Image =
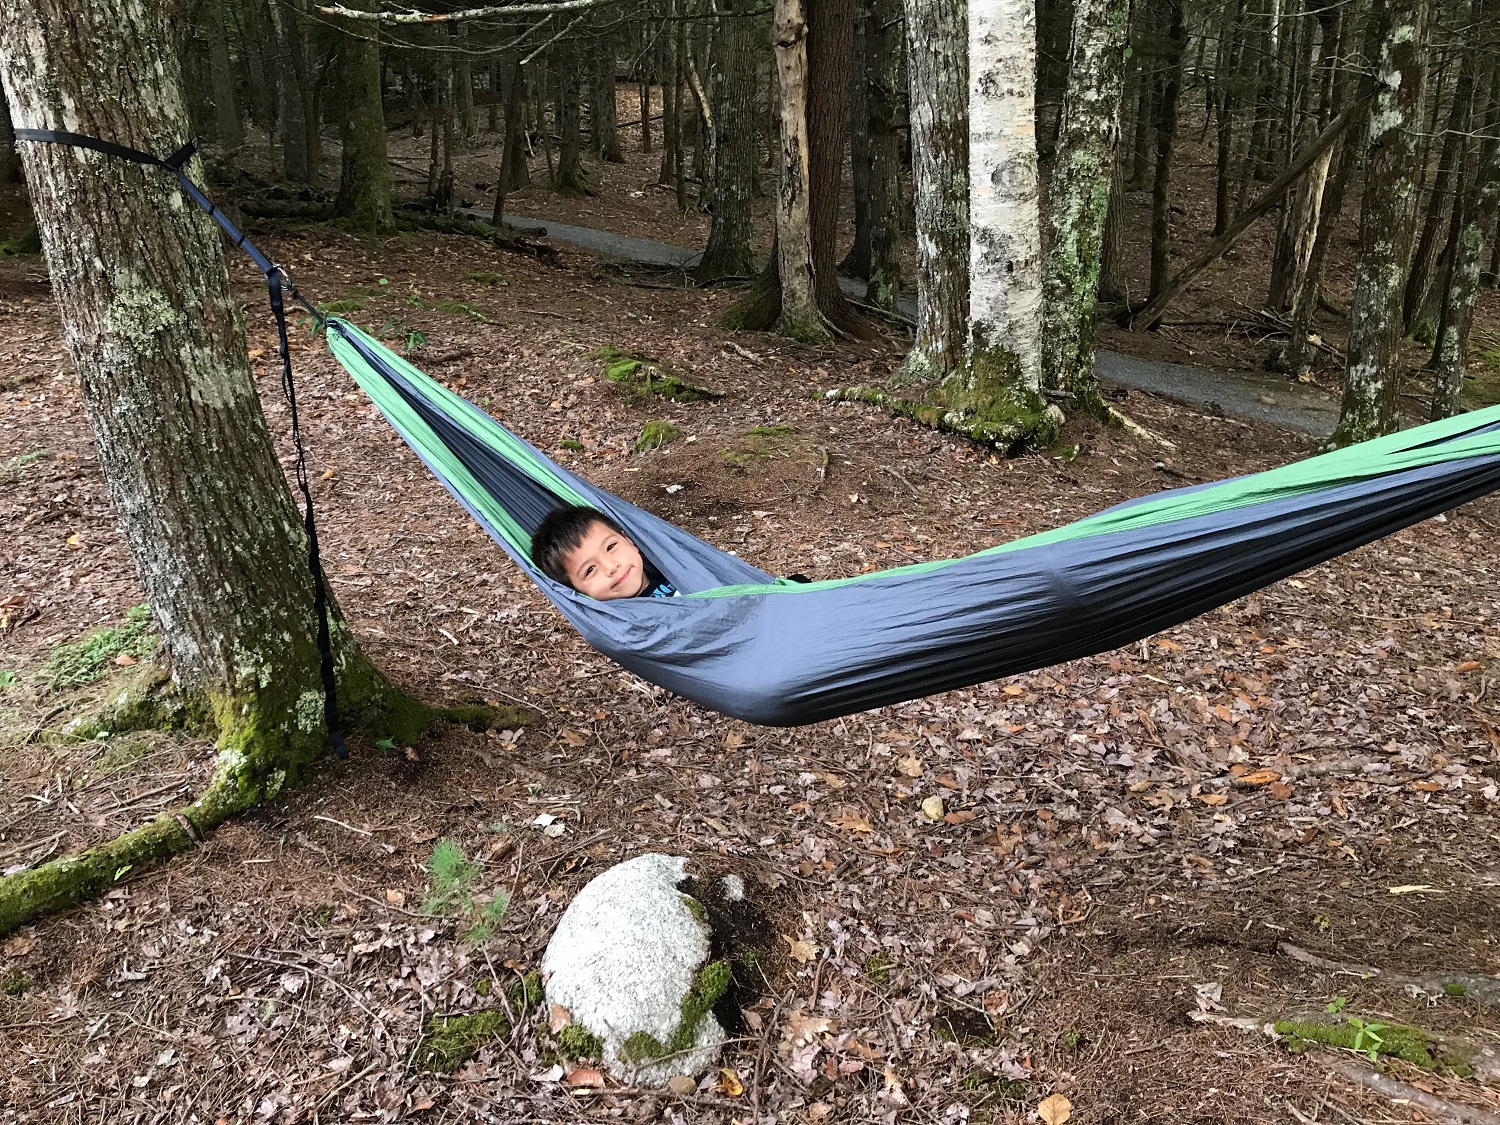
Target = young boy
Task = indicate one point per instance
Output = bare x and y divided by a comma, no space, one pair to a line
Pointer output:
585,549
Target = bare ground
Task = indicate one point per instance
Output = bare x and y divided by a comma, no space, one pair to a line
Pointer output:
1112,842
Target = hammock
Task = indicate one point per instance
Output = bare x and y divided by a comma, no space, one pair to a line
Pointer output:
781,653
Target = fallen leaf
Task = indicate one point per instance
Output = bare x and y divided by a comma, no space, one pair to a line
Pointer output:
1426,786
395,897
852,820
1213,798
682,1085
1260,777
1012,689
734,740
1223,712
558,1018
959,816
1281,791
1170,646
1468,666
124,660
422,1106
803,1028
802,951
932,808
587,1076
74,541
572,737
729,1082
947,781
1055,1109
910,766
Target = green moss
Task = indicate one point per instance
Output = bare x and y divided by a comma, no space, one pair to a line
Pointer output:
577,1042
878,968
14,468
695,908
771,431
655,434
994,1087
571,445
1399,1040
645,377
462,308
484,986
486,277
451,1041
83,662
1454,988
15,984
121,753
1070,1039
710,984
525,993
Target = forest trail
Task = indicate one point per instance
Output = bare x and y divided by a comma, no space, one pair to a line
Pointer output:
1260,398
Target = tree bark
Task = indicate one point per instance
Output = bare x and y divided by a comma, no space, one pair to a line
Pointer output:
1166,138
10,159
1372,379
228,129
572,175
202,502
856,262
883,46
729,252
1078,199
364,198
605,123
1001,380
799,317
937,55
830,48
1478,216
514,88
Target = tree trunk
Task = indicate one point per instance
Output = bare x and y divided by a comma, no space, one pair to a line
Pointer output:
937,55
514,87
605,124
228,129
1227,94
291,119
1372,379
679,71
463,82
203,504
729,252
883,47
572,175
259,39
1112,254
799,316
1078,199
1478,212
1166,137
856,262
830,47
10,159
1001,380
1144,62
645,100
364,198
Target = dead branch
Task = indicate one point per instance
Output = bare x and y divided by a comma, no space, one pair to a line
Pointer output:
1400,1091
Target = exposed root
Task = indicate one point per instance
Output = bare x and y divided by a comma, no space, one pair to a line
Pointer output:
1396,1090
1468,986
1008,435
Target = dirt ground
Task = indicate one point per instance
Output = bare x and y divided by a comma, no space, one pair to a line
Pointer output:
1114,859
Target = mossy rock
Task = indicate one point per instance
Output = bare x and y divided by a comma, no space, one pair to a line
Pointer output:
654,435
577,1042
712,982
645,377
1416,1045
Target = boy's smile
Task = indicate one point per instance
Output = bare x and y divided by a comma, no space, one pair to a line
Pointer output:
606,565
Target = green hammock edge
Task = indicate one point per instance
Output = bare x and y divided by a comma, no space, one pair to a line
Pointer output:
1429,444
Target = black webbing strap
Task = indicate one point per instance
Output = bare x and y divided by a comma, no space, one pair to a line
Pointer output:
279,286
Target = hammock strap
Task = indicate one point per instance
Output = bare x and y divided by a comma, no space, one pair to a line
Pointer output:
279,287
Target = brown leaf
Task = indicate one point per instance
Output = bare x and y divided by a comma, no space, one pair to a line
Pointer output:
1170,646
395,897
729,1082
1055,1109
1223,712
558,1018
802,951
1260,777
1012,689
1468,666
1280,790
587,1076
1214,799
947,781
124,660
572,737
910,766
960,816
1426,786
734,740
852,820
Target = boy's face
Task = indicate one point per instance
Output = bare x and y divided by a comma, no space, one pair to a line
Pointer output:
605,565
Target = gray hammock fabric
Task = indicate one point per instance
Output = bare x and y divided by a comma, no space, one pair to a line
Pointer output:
781,653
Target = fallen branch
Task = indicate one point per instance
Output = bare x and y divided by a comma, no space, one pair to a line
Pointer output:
1469,986
1138,431
1403,1092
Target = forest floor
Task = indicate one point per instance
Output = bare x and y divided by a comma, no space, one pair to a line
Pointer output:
1129,840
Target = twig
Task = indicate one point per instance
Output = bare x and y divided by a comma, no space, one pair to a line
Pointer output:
1399,1091
341,824
1135,429
562,855
760,1055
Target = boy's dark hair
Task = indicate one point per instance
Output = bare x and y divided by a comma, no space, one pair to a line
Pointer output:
560,533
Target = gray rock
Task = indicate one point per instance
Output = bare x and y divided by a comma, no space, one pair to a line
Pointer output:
628,960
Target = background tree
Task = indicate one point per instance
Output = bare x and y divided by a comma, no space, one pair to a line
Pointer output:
364,198
728,253
158,342
1372,378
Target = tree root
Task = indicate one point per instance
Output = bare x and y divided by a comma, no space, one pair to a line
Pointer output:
260,752
1396,1090
1468,986
1011,435
1429,1050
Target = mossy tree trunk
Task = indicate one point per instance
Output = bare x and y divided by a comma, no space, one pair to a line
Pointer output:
1082,179
732,82
1372,379
939,80
159,345
1000,380
364,198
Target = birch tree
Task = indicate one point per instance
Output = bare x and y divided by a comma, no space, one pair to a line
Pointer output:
1372,379
1082,177
158,341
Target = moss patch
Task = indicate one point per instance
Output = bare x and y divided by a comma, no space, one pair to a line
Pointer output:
462,308
15,984
654,435
451,1041
487,277
83,662
711,983
577,1042
645,377
878,968
1403,1041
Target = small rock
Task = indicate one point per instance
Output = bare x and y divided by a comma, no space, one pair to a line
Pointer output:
682,1085
932,808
